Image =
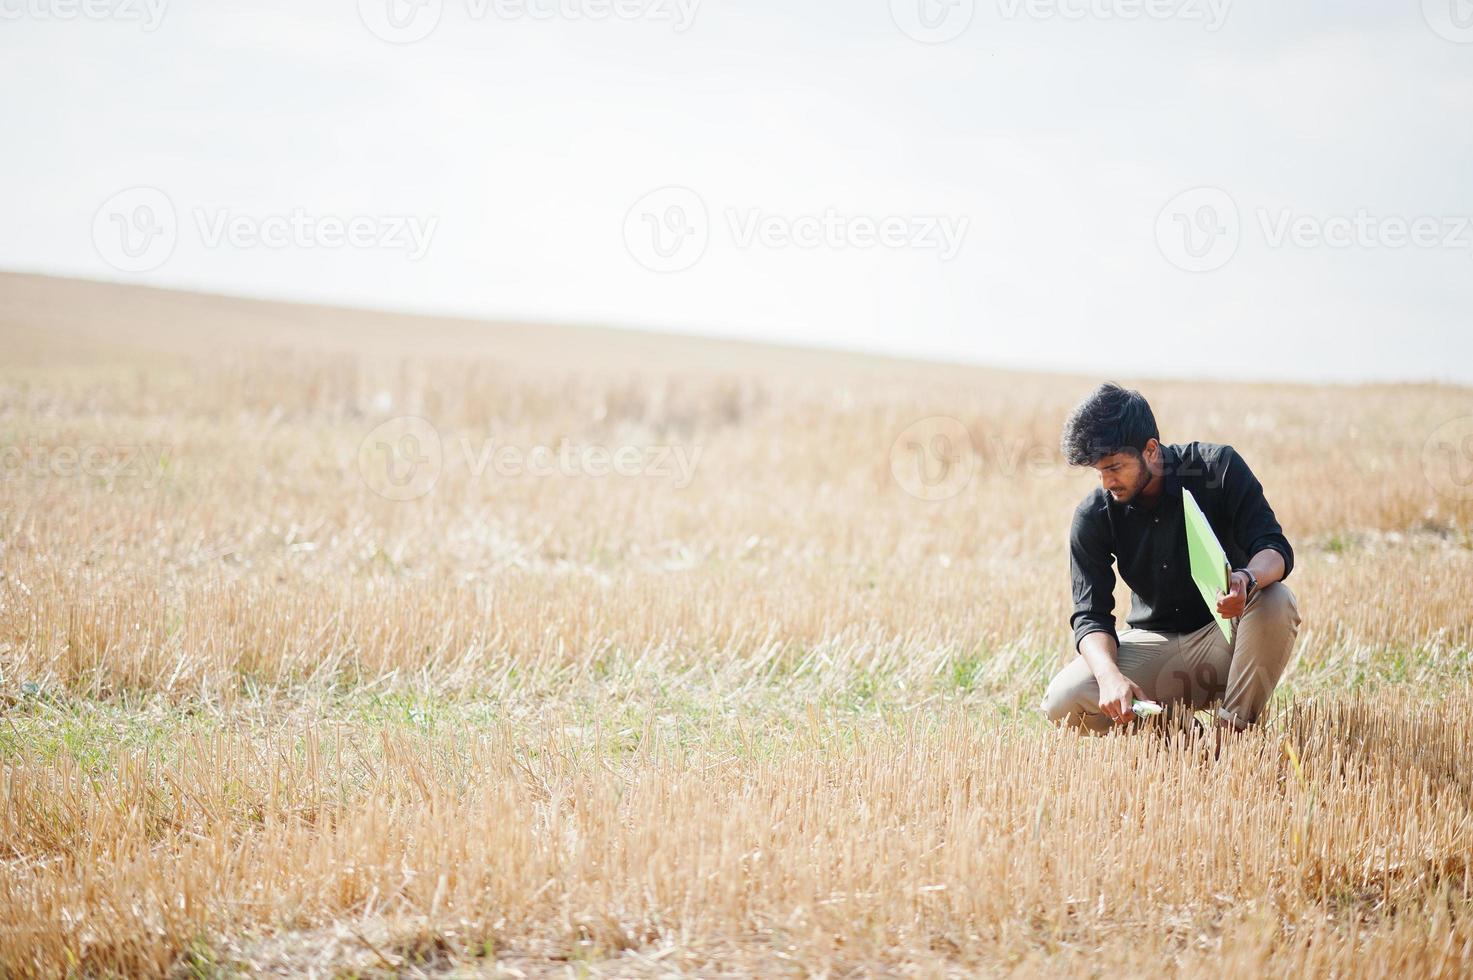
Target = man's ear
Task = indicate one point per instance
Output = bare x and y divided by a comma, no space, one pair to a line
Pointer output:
1153,454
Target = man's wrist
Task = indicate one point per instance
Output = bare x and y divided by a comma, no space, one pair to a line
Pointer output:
1252,584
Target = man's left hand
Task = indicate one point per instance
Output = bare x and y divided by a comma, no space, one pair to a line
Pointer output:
1230,606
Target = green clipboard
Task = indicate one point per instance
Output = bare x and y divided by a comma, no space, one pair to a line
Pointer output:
1209,562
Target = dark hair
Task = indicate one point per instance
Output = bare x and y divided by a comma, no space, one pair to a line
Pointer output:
1111,420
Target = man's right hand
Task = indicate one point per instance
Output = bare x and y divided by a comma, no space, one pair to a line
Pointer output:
1116,693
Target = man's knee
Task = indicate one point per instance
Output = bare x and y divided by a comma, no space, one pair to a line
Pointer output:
1066,695
1261,654
1276,603
1056,701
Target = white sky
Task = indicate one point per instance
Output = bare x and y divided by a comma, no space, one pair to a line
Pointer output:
1057,129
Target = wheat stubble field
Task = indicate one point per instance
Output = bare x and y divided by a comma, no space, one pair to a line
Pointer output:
774,716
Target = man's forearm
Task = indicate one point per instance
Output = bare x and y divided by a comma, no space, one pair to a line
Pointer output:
1099,650
1267,567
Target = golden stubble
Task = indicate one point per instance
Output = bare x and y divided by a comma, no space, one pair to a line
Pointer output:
780,719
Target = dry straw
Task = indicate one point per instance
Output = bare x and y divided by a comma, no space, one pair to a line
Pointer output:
782,719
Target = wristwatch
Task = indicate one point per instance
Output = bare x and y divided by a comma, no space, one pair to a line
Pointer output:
1252,582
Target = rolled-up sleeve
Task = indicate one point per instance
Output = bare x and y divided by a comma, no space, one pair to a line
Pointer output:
1253,522
1091,576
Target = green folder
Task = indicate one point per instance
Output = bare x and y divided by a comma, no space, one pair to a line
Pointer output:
1209,562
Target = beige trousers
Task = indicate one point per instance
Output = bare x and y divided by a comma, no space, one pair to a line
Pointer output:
1200,668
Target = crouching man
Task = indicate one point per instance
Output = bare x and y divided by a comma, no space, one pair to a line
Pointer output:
1174,650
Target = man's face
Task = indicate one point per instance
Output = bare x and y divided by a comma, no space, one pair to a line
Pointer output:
1124,474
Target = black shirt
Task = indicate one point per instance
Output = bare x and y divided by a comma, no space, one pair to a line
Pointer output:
1150,545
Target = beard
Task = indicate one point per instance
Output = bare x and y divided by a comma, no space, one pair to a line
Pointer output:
1143,478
